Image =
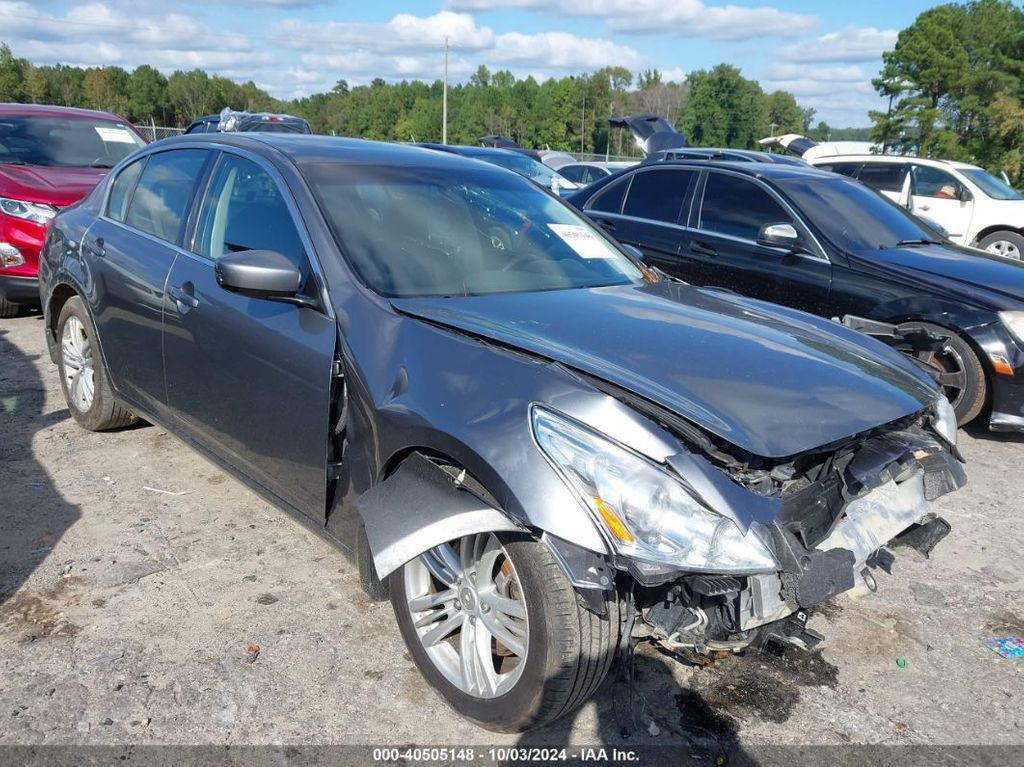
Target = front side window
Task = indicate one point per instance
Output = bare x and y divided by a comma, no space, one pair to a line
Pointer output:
883,176
658,194
164,193
576,173
410,231
938,184
245,210
738,207
122,188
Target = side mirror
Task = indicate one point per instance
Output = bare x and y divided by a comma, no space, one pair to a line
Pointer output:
779,236
262,274
963,193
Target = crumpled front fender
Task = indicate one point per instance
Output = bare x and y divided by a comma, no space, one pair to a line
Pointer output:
419,507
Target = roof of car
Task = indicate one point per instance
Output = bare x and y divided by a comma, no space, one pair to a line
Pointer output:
829,159
304,148
757,169
47,110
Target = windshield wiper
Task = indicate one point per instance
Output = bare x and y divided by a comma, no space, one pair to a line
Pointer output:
911,241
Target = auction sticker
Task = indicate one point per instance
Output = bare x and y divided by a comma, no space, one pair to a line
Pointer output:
583,241
115,135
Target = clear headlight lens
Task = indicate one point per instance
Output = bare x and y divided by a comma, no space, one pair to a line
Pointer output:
29,211
648,513
1014,322
945,420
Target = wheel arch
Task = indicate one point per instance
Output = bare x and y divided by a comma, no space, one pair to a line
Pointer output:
992,229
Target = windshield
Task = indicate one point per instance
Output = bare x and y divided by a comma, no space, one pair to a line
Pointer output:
995,188
76,142
853,216
435,232
526,166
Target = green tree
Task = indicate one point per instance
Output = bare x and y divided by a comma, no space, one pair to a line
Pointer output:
784,114
189,94
12,75
724,109
147,95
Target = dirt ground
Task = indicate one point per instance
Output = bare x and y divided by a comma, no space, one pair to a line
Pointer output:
202,615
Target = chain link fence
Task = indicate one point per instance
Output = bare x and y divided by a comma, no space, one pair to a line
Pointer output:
156,132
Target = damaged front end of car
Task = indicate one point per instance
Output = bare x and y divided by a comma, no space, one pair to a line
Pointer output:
721,552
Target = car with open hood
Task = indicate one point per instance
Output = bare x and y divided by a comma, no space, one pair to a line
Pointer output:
50,157
823,243
531,443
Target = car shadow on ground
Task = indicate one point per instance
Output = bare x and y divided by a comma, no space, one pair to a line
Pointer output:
641,708
34,516
979,430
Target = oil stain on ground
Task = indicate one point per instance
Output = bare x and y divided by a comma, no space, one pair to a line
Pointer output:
764,686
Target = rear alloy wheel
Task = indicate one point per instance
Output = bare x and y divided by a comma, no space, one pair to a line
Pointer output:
959,372
1006,244
82,376
494,626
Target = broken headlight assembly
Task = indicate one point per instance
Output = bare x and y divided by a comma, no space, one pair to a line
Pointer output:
647,512
945,419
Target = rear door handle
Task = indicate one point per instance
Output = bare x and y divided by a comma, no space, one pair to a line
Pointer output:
702,249
184,295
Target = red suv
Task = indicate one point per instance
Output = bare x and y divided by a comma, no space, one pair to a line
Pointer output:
49,157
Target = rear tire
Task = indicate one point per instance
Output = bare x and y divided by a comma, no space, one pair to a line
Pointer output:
960,372
82,377
8,309
568,649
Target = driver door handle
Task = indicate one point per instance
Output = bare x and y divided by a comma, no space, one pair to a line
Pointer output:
702,249
183,296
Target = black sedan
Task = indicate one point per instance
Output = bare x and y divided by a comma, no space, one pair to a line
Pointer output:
825,244
529,441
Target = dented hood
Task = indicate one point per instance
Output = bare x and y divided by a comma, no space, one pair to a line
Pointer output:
771,381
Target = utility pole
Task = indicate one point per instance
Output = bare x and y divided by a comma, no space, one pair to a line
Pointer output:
444,97
583,124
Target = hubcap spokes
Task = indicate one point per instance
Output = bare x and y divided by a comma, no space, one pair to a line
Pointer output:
79,371
1004,248
469,613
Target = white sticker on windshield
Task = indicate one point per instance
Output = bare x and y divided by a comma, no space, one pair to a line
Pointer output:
583,241
115,135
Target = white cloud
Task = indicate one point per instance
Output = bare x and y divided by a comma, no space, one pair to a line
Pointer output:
675,18
404,32
849,44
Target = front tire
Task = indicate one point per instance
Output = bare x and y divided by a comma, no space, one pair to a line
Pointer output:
960,373
495,627
82,377
1005,243
8,308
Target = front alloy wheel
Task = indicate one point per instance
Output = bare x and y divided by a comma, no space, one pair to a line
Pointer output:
494,626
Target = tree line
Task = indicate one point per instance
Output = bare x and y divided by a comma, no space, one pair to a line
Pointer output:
716,107
955,87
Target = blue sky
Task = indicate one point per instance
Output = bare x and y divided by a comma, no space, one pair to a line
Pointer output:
826,54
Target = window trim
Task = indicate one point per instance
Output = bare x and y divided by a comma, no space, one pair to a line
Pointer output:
130,194
628,182
820,255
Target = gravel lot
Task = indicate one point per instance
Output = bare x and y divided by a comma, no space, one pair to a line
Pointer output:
133,616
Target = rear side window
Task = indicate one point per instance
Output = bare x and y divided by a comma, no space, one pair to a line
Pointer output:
609,199
883,176
844,168
164,192
575,173
121,190
658,194
738,207
245,211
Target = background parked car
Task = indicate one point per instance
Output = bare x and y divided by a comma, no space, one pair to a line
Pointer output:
732,155
975,207
584,173
826,244
50,157
260,122
524,165
550,445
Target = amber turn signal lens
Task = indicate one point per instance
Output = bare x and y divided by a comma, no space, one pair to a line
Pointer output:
611,519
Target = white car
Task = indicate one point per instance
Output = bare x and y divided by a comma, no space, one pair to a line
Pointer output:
584,173
973,206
